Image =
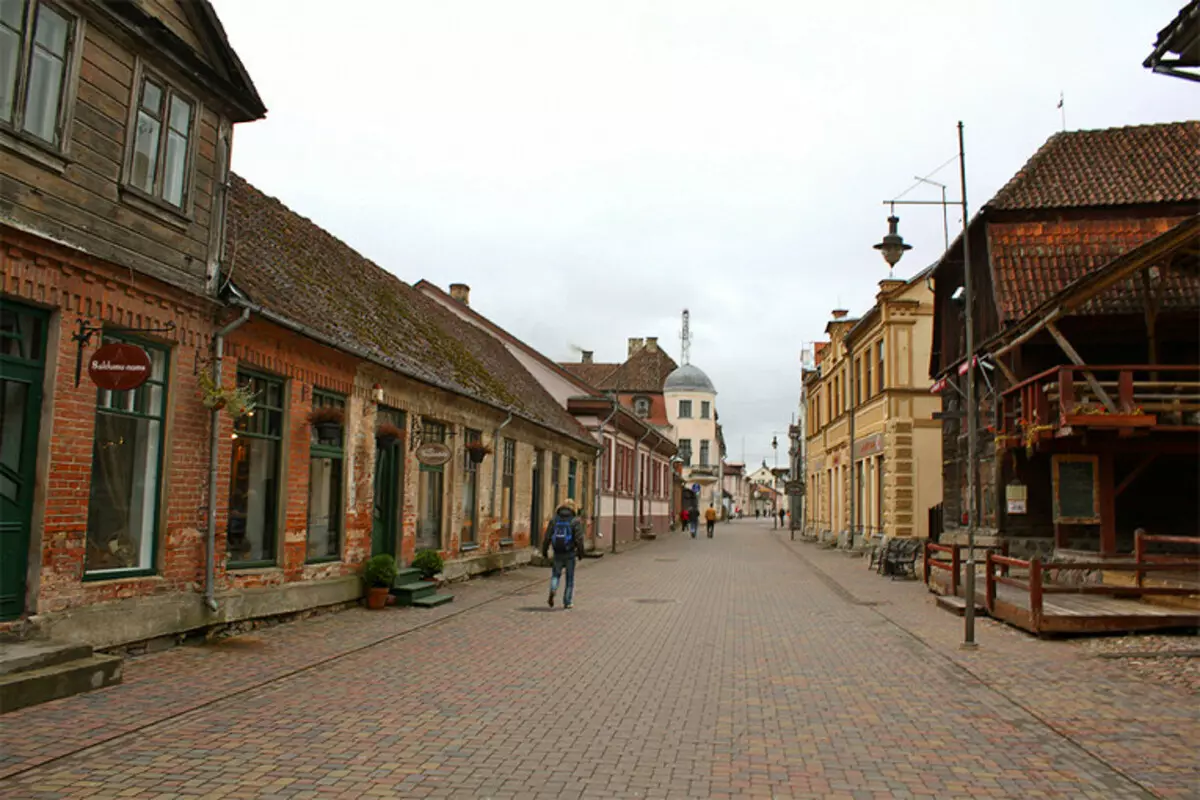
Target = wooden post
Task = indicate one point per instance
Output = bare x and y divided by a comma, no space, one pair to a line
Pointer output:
1035,594
989,597
1066,391
1108,507
928,556
1139,555
955,563
1125,390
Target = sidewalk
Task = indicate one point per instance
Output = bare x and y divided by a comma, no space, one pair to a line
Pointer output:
1144,730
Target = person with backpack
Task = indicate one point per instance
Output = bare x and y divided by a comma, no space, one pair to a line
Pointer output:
710,520
564,533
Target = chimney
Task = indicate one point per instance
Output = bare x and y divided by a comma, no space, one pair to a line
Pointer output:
840,313
461,292
652,343
635,344
587,357
888,286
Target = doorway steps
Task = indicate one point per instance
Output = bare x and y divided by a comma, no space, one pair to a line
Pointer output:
33,672
410,590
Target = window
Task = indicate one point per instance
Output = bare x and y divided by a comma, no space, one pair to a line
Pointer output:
685,409
641,406
685,451
607,463
555,476
431,491
867,385
506,485
704,452
572,473
879,365
583,490
254,482
127,462
160,155
470,507
705,409
326,458
858,381
36,42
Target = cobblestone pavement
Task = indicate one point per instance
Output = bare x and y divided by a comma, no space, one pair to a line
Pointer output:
742,666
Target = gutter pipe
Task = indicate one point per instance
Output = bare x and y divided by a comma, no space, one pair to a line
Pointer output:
210,539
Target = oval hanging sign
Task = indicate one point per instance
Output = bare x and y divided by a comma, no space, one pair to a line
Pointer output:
119,366
433,454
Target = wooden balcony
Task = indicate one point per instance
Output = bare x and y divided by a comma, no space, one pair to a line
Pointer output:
1067,400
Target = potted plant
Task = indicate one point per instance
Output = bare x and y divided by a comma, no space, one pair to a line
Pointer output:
327,420
379,573
477,451
387,433
429,562
237,402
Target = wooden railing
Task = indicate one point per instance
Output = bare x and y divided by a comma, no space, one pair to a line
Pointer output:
1141,539
1038,587
1100,396
954,565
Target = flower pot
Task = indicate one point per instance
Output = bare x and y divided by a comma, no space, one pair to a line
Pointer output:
377,597
476,456
328,431
386,440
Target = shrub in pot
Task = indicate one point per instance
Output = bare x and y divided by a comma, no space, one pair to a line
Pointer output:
379,573
327,420
387,433
429,562
477,451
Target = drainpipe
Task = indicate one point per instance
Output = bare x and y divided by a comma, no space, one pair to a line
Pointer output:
210,540
599,465
497,455
850,404
637,485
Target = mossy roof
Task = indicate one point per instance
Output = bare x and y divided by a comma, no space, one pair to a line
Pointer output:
290,266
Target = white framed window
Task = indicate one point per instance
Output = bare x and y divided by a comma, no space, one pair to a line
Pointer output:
37,66
162,141
685,409
705,409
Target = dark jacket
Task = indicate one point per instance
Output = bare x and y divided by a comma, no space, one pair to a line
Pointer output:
576,529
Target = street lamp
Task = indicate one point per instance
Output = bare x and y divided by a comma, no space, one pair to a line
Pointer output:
892,247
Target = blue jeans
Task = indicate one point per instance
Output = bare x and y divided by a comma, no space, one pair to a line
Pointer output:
693,524
562,560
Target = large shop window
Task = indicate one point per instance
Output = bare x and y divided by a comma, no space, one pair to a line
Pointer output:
254,485
507,486
127,461
431,488
572,475
36,42
326,463
556,478
470,515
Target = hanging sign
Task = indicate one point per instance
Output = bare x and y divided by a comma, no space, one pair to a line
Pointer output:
1015,495
938,386
695,488
966,366
433,454
119,366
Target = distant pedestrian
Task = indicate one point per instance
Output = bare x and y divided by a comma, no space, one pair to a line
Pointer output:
710,520
685,517
565,534
756,513
782,515
694,520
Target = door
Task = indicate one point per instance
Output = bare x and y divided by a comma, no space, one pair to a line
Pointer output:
431,492
22,356
535,507
389,480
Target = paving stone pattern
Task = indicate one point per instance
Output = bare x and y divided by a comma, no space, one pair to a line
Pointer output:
757,669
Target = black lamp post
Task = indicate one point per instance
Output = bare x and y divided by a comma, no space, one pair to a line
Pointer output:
892,247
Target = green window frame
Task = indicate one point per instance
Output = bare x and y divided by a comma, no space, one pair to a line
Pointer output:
572,475
254,505
470,519
129,425
555,478
326,487
508,488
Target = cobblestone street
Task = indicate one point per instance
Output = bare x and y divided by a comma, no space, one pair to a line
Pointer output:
742,666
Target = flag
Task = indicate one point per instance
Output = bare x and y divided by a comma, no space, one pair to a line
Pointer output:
1060,100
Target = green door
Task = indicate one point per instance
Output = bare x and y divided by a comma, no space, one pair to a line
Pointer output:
389,474
22,356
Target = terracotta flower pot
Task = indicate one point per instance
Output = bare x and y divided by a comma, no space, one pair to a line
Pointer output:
377,597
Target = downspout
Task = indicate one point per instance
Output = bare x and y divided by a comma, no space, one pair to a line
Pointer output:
599,466
497,455
851,405
210,539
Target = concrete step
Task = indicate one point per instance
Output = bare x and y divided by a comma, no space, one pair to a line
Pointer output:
409,593
33,686
957,605
407,575
24,656
433,600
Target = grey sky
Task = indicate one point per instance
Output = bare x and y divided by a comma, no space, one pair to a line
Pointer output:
591,168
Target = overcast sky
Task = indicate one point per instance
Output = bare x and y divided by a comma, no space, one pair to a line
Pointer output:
592,168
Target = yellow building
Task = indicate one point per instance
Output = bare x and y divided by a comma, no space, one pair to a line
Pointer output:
871,386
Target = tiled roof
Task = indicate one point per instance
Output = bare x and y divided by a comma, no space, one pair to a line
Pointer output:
644,371
1112,167
593,374
291,267
1032,261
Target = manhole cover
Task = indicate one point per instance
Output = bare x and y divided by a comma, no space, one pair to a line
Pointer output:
666,559
654,600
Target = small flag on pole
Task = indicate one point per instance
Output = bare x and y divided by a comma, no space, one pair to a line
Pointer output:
1060,99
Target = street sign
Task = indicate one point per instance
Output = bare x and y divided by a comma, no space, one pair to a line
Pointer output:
695,488
794,488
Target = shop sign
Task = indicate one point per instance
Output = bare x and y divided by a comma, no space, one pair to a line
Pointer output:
433,454
119,366
1015,496
869,446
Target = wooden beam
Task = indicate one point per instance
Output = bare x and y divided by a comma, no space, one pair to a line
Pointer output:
1133,475
1077,360
1009,375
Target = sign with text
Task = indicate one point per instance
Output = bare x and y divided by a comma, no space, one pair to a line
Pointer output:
433,454
1016,497
119,367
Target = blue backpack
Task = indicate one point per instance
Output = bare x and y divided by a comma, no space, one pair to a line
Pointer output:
563,537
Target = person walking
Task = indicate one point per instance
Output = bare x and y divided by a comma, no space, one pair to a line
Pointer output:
564,533
710,520
685,515
694,520
782,515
